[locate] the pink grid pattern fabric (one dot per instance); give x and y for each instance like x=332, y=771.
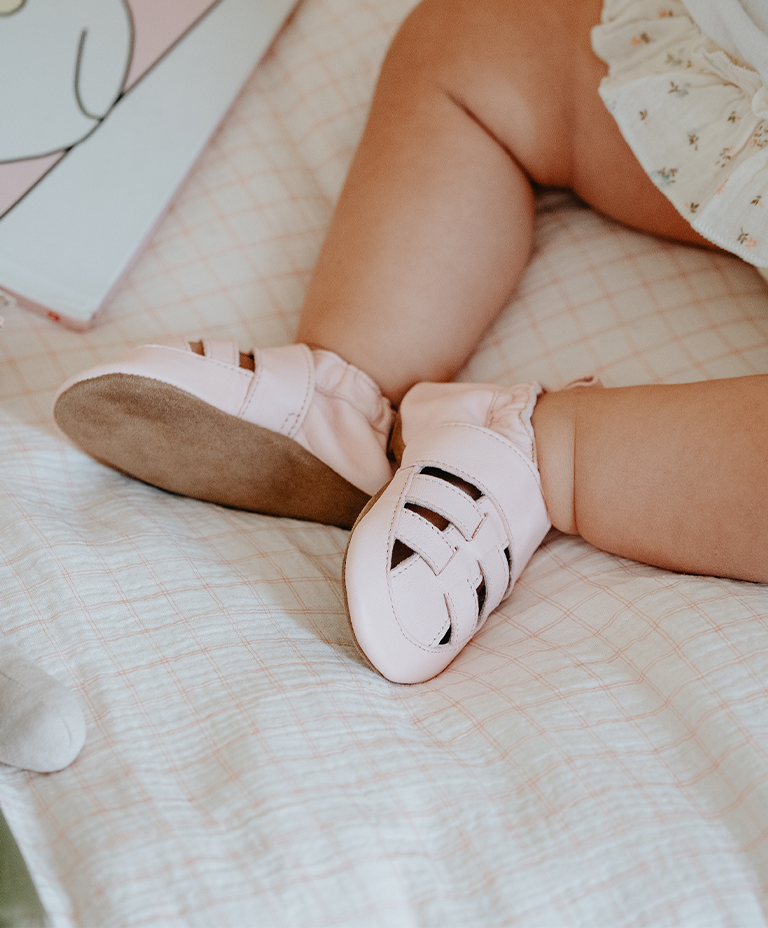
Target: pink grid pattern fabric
x=597, y=757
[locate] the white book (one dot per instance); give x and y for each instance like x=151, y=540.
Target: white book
x=104, y=107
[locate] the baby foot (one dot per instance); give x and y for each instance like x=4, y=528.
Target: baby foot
x=285, y=431
x=443, y=544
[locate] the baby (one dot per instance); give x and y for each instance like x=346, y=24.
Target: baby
x=656, y=114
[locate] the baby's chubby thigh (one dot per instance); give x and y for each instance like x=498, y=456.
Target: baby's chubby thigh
x=526, y=72
x=521, y=68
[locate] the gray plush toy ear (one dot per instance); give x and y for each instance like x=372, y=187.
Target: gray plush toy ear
x=42, y=727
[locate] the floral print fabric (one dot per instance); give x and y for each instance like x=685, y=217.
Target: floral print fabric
x=695, y=118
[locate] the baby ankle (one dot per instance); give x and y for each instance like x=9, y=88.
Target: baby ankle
x=554, y=423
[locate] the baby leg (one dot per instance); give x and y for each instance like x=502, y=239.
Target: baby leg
x=433, y=228
x=434, y=225
x=671, y=475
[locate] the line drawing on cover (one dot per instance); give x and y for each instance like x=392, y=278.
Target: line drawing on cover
x=69, y=65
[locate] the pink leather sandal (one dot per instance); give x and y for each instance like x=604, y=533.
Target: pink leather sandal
x=437, y=550
x=303, y=435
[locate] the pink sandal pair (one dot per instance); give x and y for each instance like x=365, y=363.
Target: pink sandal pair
x=304, y=434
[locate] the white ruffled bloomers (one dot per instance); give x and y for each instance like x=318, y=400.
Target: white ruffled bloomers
x=695, y=117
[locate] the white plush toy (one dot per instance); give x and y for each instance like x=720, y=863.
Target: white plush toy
x=41, y=723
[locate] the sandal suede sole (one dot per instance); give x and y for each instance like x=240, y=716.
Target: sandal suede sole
x=163, y=436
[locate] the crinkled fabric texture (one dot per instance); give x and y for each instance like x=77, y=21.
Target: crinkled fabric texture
x=695, y=118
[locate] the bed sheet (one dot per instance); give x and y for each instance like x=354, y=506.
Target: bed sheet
x=597, y=757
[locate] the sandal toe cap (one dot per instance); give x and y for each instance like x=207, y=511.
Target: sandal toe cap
x=427, y=563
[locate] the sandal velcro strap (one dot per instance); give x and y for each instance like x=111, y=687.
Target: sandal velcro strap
x=282, y=389
x=225, y=351
x=441, y=547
